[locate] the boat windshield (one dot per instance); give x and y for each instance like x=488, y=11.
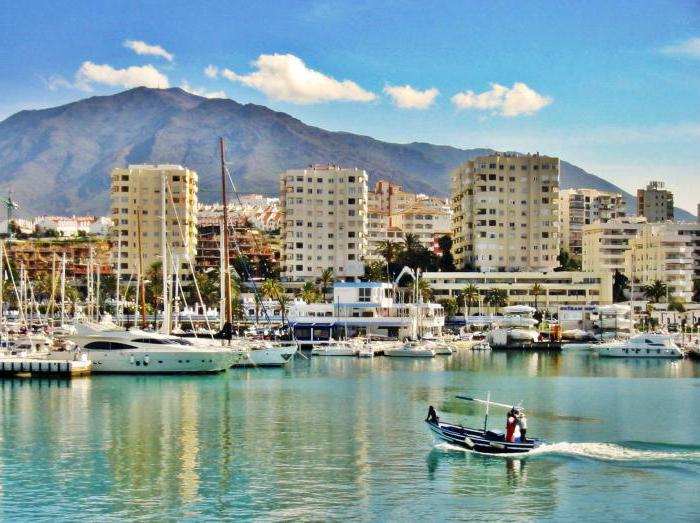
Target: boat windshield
x=162, y=341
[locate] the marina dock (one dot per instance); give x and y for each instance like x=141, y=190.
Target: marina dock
x=26, y=367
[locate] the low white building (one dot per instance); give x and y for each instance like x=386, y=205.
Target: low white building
x=72, y=225
x=367, y=309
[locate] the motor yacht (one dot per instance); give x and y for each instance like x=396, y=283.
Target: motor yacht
x=268, y=354
x=441, y=347
x=142, y=352
x=641, y=346
x=411, y=349
x=336, y=348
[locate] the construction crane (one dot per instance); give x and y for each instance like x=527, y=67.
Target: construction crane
x=10, y=205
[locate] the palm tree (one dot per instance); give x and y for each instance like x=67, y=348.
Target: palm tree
x=389, y=250
x=424, y=289
x=209, y=287
x=470, y=295
x=375, y=271
x=496, y=298
x=655, y=291
x=283, y=300
x=326, y=280
x=536, y=290
x=410, y=242
x=309, y=292
x=272, y=289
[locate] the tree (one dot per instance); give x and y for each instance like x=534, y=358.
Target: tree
x=389, y=250
x=676, y=305
x=655, y=291
x=470, y=294
x=496, y=298
x=209, y=287
x=283, y=300
x=424, y=289
x=536, y=290
x=325, y=281
x=567, y=262
x=447, y=261
x=450, y=306
x=411, y=243
x=620, y=284
x=375, y=271
x=309, y=292
x=272, y=289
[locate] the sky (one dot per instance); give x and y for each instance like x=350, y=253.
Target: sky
x=613, y=87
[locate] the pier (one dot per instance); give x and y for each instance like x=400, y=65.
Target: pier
x=26, y=367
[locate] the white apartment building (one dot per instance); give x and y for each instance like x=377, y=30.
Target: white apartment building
x=559, y=288
x=72, y=225
x=136, y=193
x=581, y=207
x=505, y=213
x=655, y=203
x=604, y=244
x=661, y=253
x=425, y=222
x=324, y=222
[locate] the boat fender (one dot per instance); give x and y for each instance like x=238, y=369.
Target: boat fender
x=468, y=442
x=146, y=360
x=497, y=445
x=131, y=359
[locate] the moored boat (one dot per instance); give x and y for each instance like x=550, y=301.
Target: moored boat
x=641, y=346
x=411, y=349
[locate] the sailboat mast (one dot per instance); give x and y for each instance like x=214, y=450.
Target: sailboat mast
x=228, y=317
x=142, y=283
x=164, y=254
x=119, y=275
x=63, y=289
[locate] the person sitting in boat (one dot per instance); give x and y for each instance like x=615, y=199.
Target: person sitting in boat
x=511, y=424
x=432, y=416
x=522, y=424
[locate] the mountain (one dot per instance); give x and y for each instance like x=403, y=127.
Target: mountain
x=58, y=160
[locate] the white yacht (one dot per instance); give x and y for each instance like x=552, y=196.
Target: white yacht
x=411, y=349
x=269, y=354
x=515, y=326
x=441, y=347
x=336, y=348
x=142, y=352
x=641, y=346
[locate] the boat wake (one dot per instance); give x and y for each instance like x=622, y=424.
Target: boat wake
x=610, y=452
x=620, y=452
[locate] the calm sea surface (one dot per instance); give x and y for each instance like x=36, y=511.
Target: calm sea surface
x=344, y=439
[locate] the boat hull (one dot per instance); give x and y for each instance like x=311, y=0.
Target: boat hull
x=484, y=442
x=158, y=361
x=270, y=356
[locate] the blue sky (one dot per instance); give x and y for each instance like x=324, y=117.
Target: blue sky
x=611, y=87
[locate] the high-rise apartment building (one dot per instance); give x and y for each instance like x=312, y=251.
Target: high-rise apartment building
x=655, y=203
x=604, y=244
x=137, y=193
x=581, y=207
x=505, y=213
x=324, y=222
x=660, y=253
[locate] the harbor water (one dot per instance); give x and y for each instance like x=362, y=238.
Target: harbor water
x=344, y=438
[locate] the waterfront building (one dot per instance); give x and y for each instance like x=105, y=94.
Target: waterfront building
x=659, y=252
x=505, y=213
x=73, y=225
x=604, y=244
x=558, y=288
x=324, y=222
x=655, y=203
x=364, y=309
x=45, y=255
x=136, y=192
x=581, y=207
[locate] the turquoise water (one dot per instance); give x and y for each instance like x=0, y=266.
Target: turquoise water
x=341, y=438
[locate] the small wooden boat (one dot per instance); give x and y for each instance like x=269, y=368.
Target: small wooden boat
x=482, y=440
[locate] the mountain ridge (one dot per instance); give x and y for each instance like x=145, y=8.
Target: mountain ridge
x=57, y=160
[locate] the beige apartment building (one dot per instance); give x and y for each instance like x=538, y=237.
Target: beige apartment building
x=655, y=203
x=505, y=213
x=425, y=222
x=604, y=244
x=137, y=193
x=324, y=216
x=559, y=288
x=661, y=253
x=581, y=207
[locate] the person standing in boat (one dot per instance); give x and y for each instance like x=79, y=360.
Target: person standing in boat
x=432, y=415
x=522, y=425
x=511, y=424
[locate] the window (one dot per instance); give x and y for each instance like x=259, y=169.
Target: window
x=106, y=345
x=365, y=294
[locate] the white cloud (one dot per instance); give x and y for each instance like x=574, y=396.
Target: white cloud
x=211, y=71
x=513, y=101
x=406, y=97
x=56, y=81
x=200, y=91
x=134, y=76
x=141, y=47
x=689, y=48
x=286, y=77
